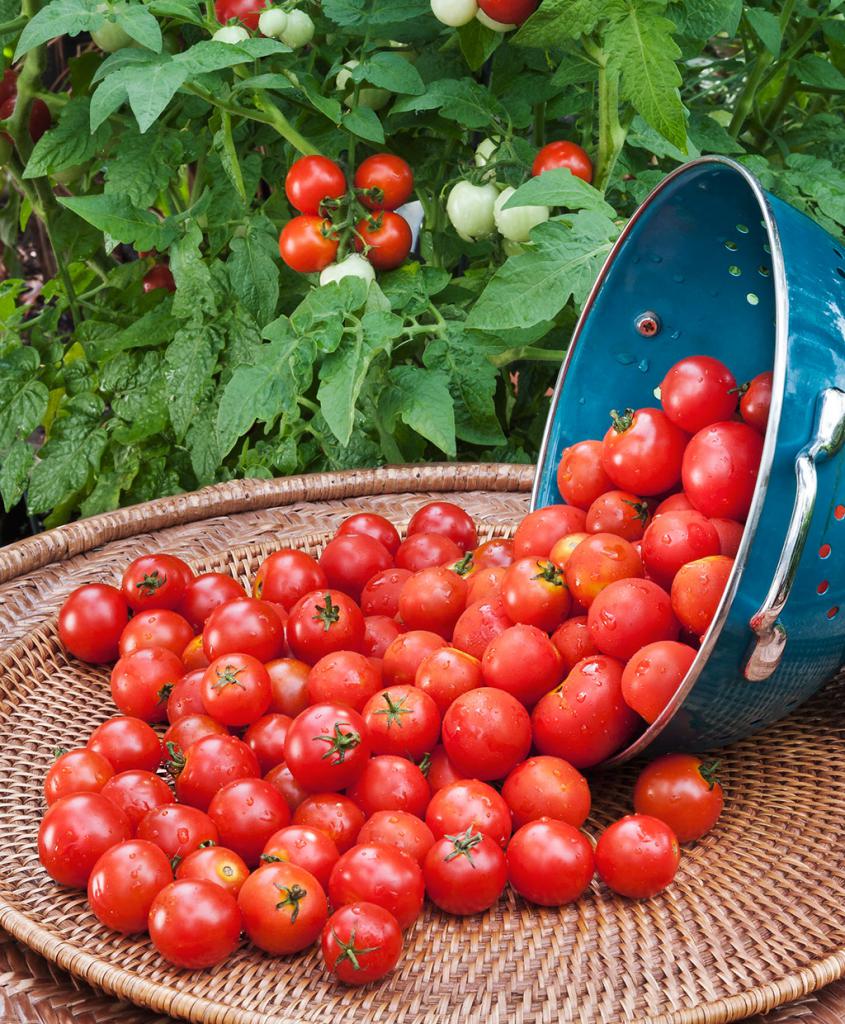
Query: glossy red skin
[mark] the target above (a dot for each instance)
(440, 771)
(190, 728)
(469, 803)
(379, 874)
(346, 678)
(547, 787)
(193, 657)
(136, 792)
(673, 790)
(40, 119)
(563, 549)
(308, 637)
(586, 719)
(310, 180)
(581, 478)
(447, 673)
(730, 534)
(371, 524)
(379, 633)
(405, 655)
(244, 626)
(720, 469)
(646, 457)
(91, 621)
(141, 682)
(246, 12)
(619, 512)
(698, 391)
(389, 236)
(206, 592)
(271, 923)
(177, 829)
(424, 550)
(598, 561)
(400, 829)
(653, 675)
(127, 743)
(391, 174)
(283, 780)
(629, 614)
(74, 833)
(156, 628)
(402, 720)
(309, 739)
(333, 813)
(574, 642)
(755, 403)
(674, 539)
(697, 590)
(480, 624)
(308, 244)
(211, 763)
(380, 595)
(76, 771)
(485, 584)
(307, 848)
(538, 532)
(155, 581)
(496, 553)
(349, 561)
(124, 882)
(215, 864)
(288, 686)
(637, 856)
(433, 599)
(465, 884)
(375, 936)
(562, 154)
(391, 783)
(550, 863)
(185, 697)
(486, 733)
(678, 502)
(194, 923)
(448, 520)
(160, 276)
(266, 739)
(235, 690)
(531, 599)
(246, 813)
(287, 575)
(523, 662)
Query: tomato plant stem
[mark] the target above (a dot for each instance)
(528, 353)
(612, 131)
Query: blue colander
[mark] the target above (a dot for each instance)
(712, 264)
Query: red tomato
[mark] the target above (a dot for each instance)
(465, 873)
(323, 622)
(208, 764)
(424, 550)
(629, 614)
(562, 154)
(586, 719)
(236, 689)
(215, 864)
(402, 720)
(494, 554)
(439, 770)
(405, 655)
(76, 771)
(141, 682)
(637, 856)
(674, 503)
(281, 778)
(186, 698)
(156, 628)
(447, 673)
(159, 276)
(538, 532)
(447, 520)
(730, 534)
(307, 848)
(756, 401)
(177, 829)
(550, 862)
(509, 12)
(574, 642)
(479, 625)
(193, 657)
(327, 747)
(125, 881)
(246, 813)
(283, 907)
(534, 593)
(194, 923)
(361, 943)
(190, 728)
(379, 633)
(674, 539)
(246, 12)
(433, 599)
(720, 469)
(398, 828)
(288, 686)
(598, 561)
(523, 662)
(385, 181)
(310, 180)
(485, 584)
(40, 119)
(308, 244)
(336, 815)
(74, 833)
(391, 783)
(286, 576)
(469, 803)
(697, 591)
(380, 595)
(155, 581)
(136, 792)
(547, 787)
(244, 626)
(351, 560)
(382, 875)
(266, 739)
(562, 549)
(127, 743)
(387, 237)
(682, 791)
(206, 592)
(653, 675)
(698, 391)
(581, 478)
(486, 732)
(371, 525)
(91, 621)
(620, 513)
(643, 450)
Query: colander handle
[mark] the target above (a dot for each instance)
(828, 438)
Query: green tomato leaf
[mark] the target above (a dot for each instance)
(143, 164)
(188, 367)
(478, 43)
(117, 217)
(420, 398)
(814, 70)
(137, 22)
(389, 71)
(766, 27)
(708, 136)
(462, 100)
(195, 289)
(560, 187)
(472, 383)
(68, 143)
(14, 473)
(556, 20)
(253, 268)
(23, 398)
(701, 19)
(182, 10)
(59, 18)
(364, 123)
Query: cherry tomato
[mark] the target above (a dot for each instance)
(310, 180)
(305, 847)
(323, 622)
(185, 698)
(698, 391)
(674, 539)
(720, 469)
(620, 513)
(485, 584)
(447, 673)
(380, 595)
(479, 625)
(547, 787)
(91, 622)
(141, 682)
(136, 792)
(284, 908)
(246, 813)
(206, 592)
(244, 626)
(550, 863)
(653, 675)
(730, 534)
(465, 873)
(682, 791)
(402, 720)
(361, 943)
(598, 561)
(327, 747)
(177, 829)
(469, 803)
(538, 532)
(561, 153)
(382, 875)
(215, 864)
(433, 599)
(351, 560)
(674, 503)
(486, 732)
(629, 614)
(756, 401)
(581, 478)
(193, 657)
(405, 655)
(637, 856)
(336, 815)
(127, 743)
(75, 832)
(391, 783)
(388, 239)
(194, 923)
(159, 276)
(76, 771)
(190, 728)
(385, 181)
(156, 628)
(208, 764)
(398, 828)
(643, 450)
(697, 591)
(236, 689)
(288, 686)
(155, 581)
(286, 576)
(266, 739)
(308, 244)
(372, 525)
(574, 642)
(283, 780)
(125, 881)
(424, 550)
(562, 549)
(534, 593)
(496, 553)
(379, 633)
(247, 12)
(523, 662)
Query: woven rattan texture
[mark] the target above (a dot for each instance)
(755, 918)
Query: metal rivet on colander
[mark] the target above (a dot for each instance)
(648, 324)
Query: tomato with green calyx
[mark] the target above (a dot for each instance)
(236, 690)
(643, 450)
(465, 873)
(308, 244)
(245, 11)
(384, 181)
(534, 593)
(619, 512)
(756, 401)
(322, 622)
(311, 180)
(683, 791)
(563, 154)
(361, 943)
(402, 720)
(141, 682)
(327, 747)
(387, 238)
(284, 908)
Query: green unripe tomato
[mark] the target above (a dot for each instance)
(272, 22)
(299, 30)
(368, 96)
(353, 266)
(231, 34)
(454, 12)
(516, 224)
(470, 209)
(111, 37)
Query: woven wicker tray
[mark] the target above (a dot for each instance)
(755, 918)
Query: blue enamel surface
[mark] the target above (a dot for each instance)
(698, 257)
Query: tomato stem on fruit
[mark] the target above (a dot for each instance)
(341, 743)
(150, 583)
(709, 772)
(464, 566)
(293, 895)
(425, 764)
(228, 677)
(640, 509)
(394, 711)
(177, 759)
(464, 844)
(348, 950)
(327, 613)
(622, 421)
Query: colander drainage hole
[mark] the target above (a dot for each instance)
(823, 587)
(839, 512)
(734, 270)
(840, 271)
(824, 551)
(833, 612)
(751, 299)
(763, 270)
(742, 229)
(730, 245)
